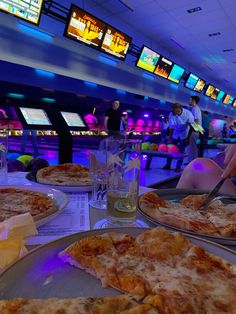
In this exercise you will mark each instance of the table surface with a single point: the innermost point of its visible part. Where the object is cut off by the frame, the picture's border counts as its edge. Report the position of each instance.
(95, 215)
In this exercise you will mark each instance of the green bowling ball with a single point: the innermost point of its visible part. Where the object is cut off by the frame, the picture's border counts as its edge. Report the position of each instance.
(25, 159)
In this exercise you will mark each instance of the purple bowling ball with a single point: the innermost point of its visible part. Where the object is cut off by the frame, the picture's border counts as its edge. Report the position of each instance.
(36, 164)
(15, 165)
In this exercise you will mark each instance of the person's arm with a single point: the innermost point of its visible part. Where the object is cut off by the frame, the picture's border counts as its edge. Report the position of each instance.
(171, 131)
(105, 123)
(124, 121)
(230, 161)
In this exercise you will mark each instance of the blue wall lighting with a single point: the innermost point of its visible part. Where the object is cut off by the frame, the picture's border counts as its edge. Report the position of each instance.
(35, 32)
(91, 84)
(162, 102)
(146, 97)
(45, 73)
(50, 100)
(121, 91)
(13, 95)
(107, 60)
(148, 76)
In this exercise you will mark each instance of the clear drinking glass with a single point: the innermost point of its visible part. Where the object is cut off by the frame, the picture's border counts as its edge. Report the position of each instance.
(3, 155)
(123, 167)
(99, 179)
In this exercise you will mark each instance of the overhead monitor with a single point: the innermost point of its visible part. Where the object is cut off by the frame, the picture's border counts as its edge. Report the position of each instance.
(220, 95)
(115, 43)
(200, 85)
(147, 59)
(215, 93)
(29, 10)
(163, 67)
(176, 73)
(234, 103)
(226, 99)
(191, 81)
(210, 90)
(73, 119)
(84, 27)
(34, 116)
(231, 99)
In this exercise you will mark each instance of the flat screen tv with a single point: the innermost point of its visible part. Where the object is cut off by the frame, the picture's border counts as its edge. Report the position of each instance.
(220, 95)
(84, 27)
(215, 93)
(191, 81)
(200, 85)
(176, 73)
(34, 116)
(226, 99)
(234, 103)
(231, 99)
(115, 43)
(29, 10)
(147, 59)
(163, 67)
(210, 90)
(73, 119)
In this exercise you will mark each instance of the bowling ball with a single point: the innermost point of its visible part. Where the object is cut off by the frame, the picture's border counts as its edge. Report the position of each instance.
(211, 142)
(173, 149)
(228, 140)
(145, 146)
(163, 148)
(12, 156)
(153, 146)
(15, 165)
(25, 159)
(233, 140)
(36, 164)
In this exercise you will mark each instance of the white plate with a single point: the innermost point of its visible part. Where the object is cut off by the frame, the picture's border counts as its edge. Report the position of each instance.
(41, 274)
(31, 176)
(59, 198)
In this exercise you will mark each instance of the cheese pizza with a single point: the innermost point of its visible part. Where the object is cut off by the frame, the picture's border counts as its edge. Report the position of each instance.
(159, 268)
(16, 201)
(218, 219)
(64, 174)
(108, 305)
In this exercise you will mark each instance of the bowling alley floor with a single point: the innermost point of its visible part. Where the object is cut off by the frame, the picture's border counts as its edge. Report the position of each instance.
(155, 176)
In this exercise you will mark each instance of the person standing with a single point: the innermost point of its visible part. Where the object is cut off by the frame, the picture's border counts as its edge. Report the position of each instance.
(179, 120)
(164, 130)
(113, 118)
(193, 136)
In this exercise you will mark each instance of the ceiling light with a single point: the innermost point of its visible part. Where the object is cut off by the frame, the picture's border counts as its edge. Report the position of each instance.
(193, 10)
(214, 34)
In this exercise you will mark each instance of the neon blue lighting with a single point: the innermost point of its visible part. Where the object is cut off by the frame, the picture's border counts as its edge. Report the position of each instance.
(45, 73)
(13, 95)
(148, 76)
(120, 91)
(51, 100)
(162, 101)
(146, 97)
(91, 84)
(174, 86)
(107, 60)
(35, 33)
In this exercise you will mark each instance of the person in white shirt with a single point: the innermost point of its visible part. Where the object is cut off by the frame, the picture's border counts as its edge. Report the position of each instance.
(179, 120)
(193, 136)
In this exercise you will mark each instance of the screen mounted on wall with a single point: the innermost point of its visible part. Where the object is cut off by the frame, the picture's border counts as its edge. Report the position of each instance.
(73, 119)
(210, 90)
(234, 103)
(29, 10)
(84, 27)
(226, 99)
(220, 95)
(147, 59)
(164, 67)
(115, 43)
(34, 116)
(176, 73)
(200, 85)
(215, 93)
(191, 81)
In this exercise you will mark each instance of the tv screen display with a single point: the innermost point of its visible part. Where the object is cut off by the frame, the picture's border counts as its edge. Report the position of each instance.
(115, 43)
(210, 90)
(164, 67)
(176, 73)
(226, 99)
(148, 59)
(231, 99)
(220, 95)
(84, 27)
(35, 116)
(73, 119)
(200, 85)
(234, 103)
(29, 10)
(191, 81)
(215, 93)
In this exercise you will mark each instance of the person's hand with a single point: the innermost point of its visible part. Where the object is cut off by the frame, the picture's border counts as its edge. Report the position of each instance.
(230, 161)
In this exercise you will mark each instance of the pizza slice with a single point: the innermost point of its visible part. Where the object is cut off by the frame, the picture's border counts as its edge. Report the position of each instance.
(106, 305)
